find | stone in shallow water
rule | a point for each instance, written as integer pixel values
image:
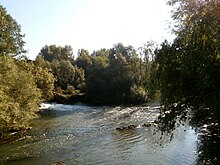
(59, 162)
(131, 126)
(146, 125)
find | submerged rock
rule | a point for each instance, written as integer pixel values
(131, 126)
(147, 124)
(60, 162)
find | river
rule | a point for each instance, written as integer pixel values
(81, 134)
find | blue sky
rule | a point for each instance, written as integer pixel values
(89, 24)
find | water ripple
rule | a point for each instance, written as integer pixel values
(80, 134)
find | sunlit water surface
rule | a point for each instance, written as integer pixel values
(80, 134)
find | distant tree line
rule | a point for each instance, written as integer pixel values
(107, 76)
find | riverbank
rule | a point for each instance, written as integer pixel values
(65, 98)
(62, 98)
(12, 135)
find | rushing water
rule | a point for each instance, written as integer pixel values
(80, 134)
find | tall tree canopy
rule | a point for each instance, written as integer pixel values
(11, 39)
(23, 86)
(189, 68)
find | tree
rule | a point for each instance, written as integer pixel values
(61, 62)
(149, 68)
(190, 66)
(188, 71)
(19, 95)
(97, 81)
(67, 74)
(84, 61)
(111, 75)
(120, 77)
(40, 62)
(124, 72)
(102, 52)
(53, 52)
(11, 39)
(44, 81)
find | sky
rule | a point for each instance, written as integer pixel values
(90, 24)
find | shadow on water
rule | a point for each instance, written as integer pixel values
(208, 135)
(208, 148)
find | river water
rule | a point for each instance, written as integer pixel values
(80, 134)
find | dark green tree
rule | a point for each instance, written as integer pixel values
(101, 52)
(188, 71)
(124, 71)
(189, 67)
(84, 61)
(97, 81)
(120, 77)
(112, 75)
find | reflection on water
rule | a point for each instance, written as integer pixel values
(79, 134)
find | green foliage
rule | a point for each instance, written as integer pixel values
(151, 81)
(111, 75)
(40, 62)
(121, 78)
(44, 79)
(97, 84)
(11, 39)
(188, 70)
(84, 60)
(106, 76)
(19, 92)
(60, 61)
(67, 74)
(53, 52)
(138, 95)
(19, 95)
(45, 82)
